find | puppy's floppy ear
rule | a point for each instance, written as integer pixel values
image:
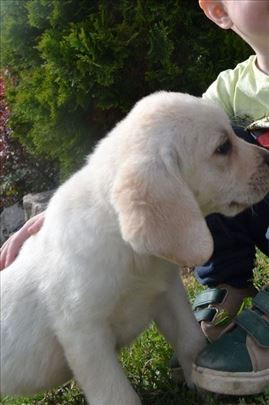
(158, 213)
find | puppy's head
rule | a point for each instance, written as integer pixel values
(183, 162)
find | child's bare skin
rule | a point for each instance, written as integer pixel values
(248, 19)
(11, 247)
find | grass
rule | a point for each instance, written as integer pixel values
(146, 364)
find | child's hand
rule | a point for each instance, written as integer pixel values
(11, 247)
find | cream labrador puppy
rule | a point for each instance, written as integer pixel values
(105, 263)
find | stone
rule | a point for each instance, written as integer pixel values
(33, 204)
(11, 219)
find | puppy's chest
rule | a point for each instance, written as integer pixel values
(135, 310)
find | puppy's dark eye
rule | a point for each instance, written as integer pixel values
(224, 148)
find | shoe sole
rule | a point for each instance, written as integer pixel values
(230, 383)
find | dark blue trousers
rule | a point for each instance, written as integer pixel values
(235, 240)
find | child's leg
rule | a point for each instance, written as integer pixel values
(238, 362)
(234, 253)
(235, 240)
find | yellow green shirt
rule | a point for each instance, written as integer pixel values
(243, 92)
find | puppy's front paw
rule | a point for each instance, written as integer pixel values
(182, 376)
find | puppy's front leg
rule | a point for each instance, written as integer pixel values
(176, 322)
(92, 357)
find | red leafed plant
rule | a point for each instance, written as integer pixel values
(20, 172)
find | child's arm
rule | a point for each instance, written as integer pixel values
(11, 247)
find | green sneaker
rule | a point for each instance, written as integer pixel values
(238, 362)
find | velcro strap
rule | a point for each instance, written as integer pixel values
(206, 314)
(255, 326)
(261, 301)
(209, 296)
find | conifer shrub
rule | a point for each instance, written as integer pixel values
(77, 66)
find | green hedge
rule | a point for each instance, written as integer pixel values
(77, 66)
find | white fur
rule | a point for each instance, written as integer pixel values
(105, 263)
